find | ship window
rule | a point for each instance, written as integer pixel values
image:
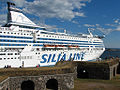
(10, 54)
(15, 53)
(2, 53)
(27, 57)
(30, 57)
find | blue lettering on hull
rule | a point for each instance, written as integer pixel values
(47, 58)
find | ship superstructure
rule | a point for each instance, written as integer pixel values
(23, 43)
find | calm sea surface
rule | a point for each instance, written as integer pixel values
(110, 54)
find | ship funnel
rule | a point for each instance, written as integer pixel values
(12, 8)
(16, 17)
(9, 3)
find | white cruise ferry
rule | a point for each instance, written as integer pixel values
(24, 44)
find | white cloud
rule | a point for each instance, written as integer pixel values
(112, 25)
(63, 9)
(3, 19)
(75, 22)
(116, 21)
(88, 25)
(19, 3)
(105, 30)
(79, 14)
(97, 25)
(118, 28)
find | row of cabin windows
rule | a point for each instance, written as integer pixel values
(16, 41)
(37, 53)
(25, 31)
(15, 37)
(15, 33)
(26, 57)
(60, 37)
(9, 58)
(9, 54)
(5, 28)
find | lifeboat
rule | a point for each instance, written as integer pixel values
(70, 46)
(56, 45)
(49, 46)
(53, 46)
(60, 46)
(73, 46)
(77, 46)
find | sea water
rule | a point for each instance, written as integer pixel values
(108, 54)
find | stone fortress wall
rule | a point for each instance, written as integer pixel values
(60, 77)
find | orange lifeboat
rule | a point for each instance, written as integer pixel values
(47, 45)
(77, 46)
(70, 46)
(56, 45)
(61, 45)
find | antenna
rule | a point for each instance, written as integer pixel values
(12, 8)
(64, 30)
(90, 32)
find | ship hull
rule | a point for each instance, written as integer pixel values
(49, 58)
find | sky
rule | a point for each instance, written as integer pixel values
(102, 17)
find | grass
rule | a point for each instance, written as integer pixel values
(11, 72)
(96, 84)
(3, 78)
